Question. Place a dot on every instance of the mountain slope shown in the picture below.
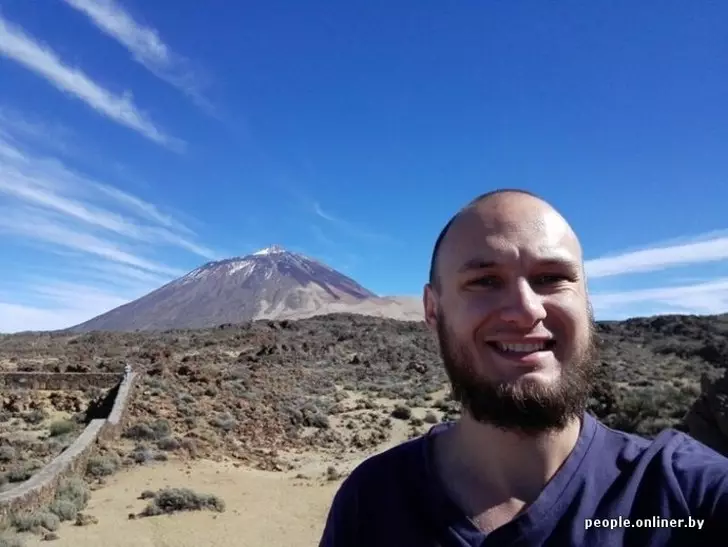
(270, 284)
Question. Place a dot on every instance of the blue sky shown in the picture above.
(139, 140)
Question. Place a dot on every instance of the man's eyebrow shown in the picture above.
(477, 264)
(482, 264)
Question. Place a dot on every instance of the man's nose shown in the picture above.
(522, 305)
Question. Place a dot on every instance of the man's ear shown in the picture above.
(430, 303)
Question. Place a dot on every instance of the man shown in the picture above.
(525, 464)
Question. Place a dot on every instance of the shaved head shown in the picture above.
(529, 203)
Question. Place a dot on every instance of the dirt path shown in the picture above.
(261, 509)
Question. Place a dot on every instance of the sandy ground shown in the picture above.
(261, 509)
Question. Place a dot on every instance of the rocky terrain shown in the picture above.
(36, 426)
(267, 392)
(272, 283)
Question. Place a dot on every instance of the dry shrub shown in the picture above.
(11, 540)
(62, 427)
(103, 466)
(172, 500)
(38, 522)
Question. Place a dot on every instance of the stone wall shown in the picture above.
(117, 419)
(41, 488)
(57, 380)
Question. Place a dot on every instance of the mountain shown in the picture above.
(272, 283)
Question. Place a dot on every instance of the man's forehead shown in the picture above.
(538, 229)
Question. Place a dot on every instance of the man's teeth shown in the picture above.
(522, 348)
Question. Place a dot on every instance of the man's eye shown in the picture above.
(549, 279)
(487, 281)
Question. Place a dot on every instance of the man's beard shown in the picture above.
(528, 407)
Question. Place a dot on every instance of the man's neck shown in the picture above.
(488, 466)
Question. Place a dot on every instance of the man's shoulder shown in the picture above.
(402, 465)
(393, 459)
(674, 458)
(672, 446)
(388, 490)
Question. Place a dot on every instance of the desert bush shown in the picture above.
(161, 428)
(83, 519)
(37, 522)
(402, 412)
(155, 430)
(63, 509)
(142, 454)
(190, 445)
(35, 416)
(223, 421)
(186, 398)
(103, 466)
(75, 491)
(7, 453)
(10, 540)
(430, 417)
(22, 471)
(61, 427)
(186, 410)
(168, 443)
(171, 500)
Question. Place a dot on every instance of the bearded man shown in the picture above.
(525, 464)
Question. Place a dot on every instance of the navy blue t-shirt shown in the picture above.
(396, 498)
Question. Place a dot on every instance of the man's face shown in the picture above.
(512, 315)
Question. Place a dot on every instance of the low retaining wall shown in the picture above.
(58, 380)
(117, 419)
(41, 488)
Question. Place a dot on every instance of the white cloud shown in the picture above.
(149, 210)
(63, 305)
(17, 317)
(710, 297)
(55, 136)
(49, 185)
(124, 274)
(349, 227)
(103, 244)
(38, 227)
(143, 42)
(18, 46)
(659, 258)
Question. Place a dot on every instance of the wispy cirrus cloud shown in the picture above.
(350, 227)
(38, 227)
(53, 305)
(97, 246)
(702, 249)
(53, 136)
(17, 45)
(43, 188)
(144, 44)
(710, 297)
(680, 294)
